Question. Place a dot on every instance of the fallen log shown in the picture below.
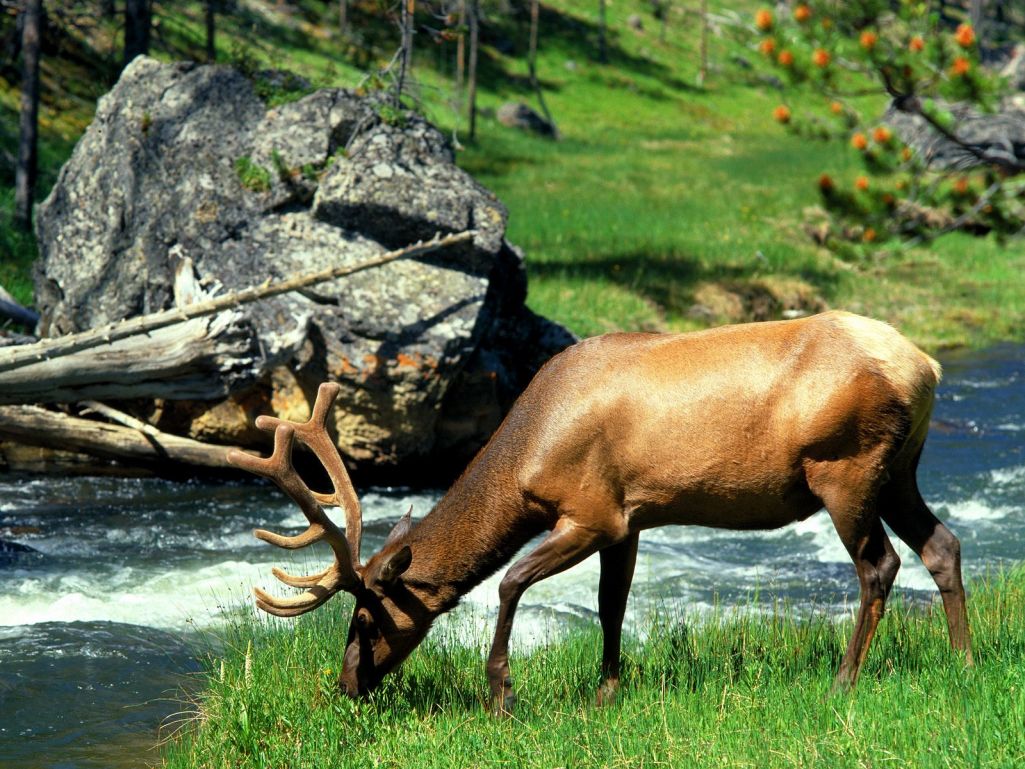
(47, 349)
(202, 359)
(36, 426)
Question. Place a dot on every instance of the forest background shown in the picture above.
(663, 191)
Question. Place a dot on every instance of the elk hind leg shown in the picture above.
(904, 511)
(617, 569)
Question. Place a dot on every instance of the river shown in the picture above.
(99, 627)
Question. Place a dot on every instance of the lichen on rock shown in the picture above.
(429, 352)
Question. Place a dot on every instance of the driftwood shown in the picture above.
(202, 349)
(36, 426)
(202, 359)
(48, 349)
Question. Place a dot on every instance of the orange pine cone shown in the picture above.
(781, 114)
(767, 46)
(785, 58)
(869, 39)
(763, 19)
(802, 13)
(960, 67)
(861, 183)
(859, 141)
(821, 58)
(965, 36)
(882, 134)
(916, 44)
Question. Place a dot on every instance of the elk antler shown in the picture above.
(342, 574)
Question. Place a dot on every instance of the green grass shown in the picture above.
(660, 194)
(739, 689)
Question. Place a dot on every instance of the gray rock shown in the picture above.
(1000, 136)
(519, 115)
(186, 162)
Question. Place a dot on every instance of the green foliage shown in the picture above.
(18, 250)
(736, 688)
(392, 115)
(279, 87)
(252, 176)
(839, 50)
(659, 190)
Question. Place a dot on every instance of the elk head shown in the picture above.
(389, 619)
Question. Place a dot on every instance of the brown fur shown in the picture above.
(743, 427)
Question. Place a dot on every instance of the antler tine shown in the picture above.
(292, 607)
(341, 574)
(315, 435)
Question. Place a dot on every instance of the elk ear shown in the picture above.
(401, 528)
(396, 565)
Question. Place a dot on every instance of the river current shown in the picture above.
(100, 624)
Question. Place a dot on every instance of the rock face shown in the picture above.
(186, 162)
(1000, 135)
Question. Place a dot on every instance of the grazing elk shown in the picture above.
(742, 427)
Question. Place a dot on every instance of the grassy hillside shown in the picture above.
(665, 205)
(737, 690)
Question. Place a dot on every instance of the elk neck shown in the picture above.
(476, 528)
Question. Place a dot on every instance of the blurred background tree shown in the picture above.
(947, 151)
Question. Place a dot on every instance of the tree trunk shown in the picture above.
(535, 14)
(472, 74)
(137, 28)
(343, 16)
(408, 9)
(28, 141)
(461, 54)
(108, 8)
(703, 71)
(211, 31)
(603, 54)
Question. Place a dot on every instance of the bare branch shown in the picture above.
(22, 355)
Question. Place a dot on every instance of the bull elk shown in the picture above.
(742, 427)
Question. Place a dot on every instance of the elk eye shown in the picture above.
(364, 619)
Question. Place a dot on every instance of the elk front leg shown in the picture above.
(566, 546)
(617, 571)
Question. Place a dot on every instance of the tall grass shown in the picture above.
(734, 689)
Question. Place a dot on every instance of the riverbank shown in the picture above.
(664, 206)
(733, 688)
(128, 576)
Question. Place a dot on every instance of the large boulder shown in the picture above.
(186, 164)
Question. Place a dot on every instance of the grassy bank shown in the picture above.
(738, 690)
(665, 206)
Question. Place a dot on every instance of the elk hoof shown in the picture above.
(607, 692)
(503, 699)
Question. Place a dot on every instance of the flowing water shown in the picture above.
(99, 622)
